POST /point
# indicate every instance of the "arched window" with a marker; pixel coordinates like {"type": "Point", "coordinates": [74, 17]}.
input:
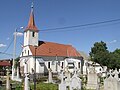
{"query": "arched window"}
{"type": "Point", "coordinates": [48, 64]}
{"type": "Point", "coordinates": [78, 64]}
{"type": "Point", "coordinates": [33, 34]}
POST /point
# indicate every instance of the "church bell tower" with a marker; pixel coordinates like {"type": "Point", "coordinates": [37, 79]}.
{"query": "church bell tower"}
{"type": "Point", "coordinates": [31, 31]}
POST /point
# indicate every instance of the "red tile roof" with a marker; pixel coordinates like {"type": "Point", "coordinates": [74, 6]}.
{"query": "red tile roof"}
{"type": "Point", "coordinates": [53, 49]}
{"type": "Point", "coordinates": [31, 23]}
{"type": "Point", "coordinates": [5, 63]}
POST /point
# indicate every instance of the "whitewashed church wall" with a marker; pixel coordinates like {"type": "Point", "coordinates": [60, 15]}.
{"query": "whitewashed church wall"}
{"type": "Point", "coordinates": [26, 51]}
{"type": "Point", "coordinates": [29, 39]}
{"type": "Point", "coordinates": [39, 67]}
{"type": "Point", "coordinates": [31, 65]}
{"type": "Point", "coordinates": [21, 62]}
{"type": "Point", "coordinates": [53, 66]}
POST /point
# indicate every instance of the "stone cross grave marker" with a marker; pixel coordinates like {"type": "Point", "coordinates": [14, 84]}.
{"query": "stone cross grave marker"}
{"type": "Point", "coordinates": [8, 81]}
{"type": "Point", "coordinates": [50, 76]}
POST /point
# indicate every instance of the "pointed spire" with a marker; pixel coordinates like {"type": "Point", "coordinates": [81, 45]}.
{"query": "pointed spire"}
{"type": "Point", "coordinates": [31, 23]}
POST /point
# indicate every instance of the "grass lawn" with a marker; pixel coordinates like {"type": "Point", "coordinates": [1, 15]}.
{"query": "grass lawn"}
{"type": "Point", "coordinates": [45, 86]}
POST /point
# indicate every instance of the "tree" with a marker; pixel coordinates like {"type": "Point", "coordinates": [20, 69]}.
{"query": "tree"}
{"type": "Point", "coordinates": [115, 59]}
{"type": "Point", "coordinates": [99, 53]}
{"type": "Point", "coordinates": [17, 62]}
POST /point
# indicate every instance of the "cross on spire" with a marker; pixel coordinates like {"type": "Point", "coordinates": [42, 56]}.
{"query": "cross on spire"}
{"type": "Point", "coordinates": [32, 5]}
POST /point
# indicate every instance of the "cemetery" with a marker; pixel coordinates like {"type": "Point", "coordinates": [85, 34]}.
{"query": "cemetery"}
{"type": "Point", "coordinates": [65, 80]}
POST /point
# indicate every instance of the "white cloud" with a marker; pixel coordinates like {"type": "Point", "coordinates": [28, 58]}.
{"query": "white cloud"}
{"type": "Point", "coordinates": [2, 45]}
{"type": "Point", "coordinates": [18, 34]}
{"type": "Point", "coordinates": [111, 42]}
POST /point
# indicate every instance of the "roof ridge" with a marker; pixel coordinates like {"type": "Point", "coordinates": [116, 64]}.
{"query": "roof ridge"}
{"type": "Point", "coordinates": [57, 43]}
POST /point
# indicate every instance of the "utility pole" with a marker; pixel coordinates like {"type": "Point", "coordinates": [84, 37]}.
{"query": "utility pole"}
{"type": "Point", "coordinates": [14, 54]}
{"type": "Point", "coordinates": [35, 69]}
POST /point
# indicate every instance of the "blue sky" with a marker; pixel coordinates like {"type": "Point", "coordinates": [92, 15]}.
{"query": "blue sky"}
{"type": "Point", "coordinates": [61, 13]}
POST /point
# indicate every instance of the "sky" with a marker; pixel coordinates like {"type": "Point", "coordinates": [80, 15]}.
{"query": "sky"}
{"type": "Point", "coordinates": [50, 14]}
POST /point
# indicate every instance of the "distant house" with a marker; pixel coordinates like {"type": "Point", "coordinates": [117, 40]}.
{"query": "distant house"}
{"type": "Point", "coordinates": [98, 68]}
{"type": "Point", "coordinates": [46, 54]}
{"type": "Point", "coordinates": [4, 64]}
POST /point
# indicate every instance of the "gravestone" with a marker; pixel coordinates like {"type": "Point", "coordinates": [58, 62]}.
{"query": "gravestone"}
{"type": "Point", "coordinates": [75, 83]}
{"type": "Point", "coordinates": [111, 83]}
{"type": "Point", "coordinates": [62, 85]}
{"type": "Point", "coordinates": [50, 76]}
{"type": "Point", "coordinates": [116, 74]}
{"type": "Point", "coordinates": [26, 82]}
{"type": "Point", "coordinates": [18, 74]}
{"type": "Point", "coordinates": [119, 70]}
{"type": "Point", "coordinates": [68, 82]}
{"type": "Point", "coordinates": [67, 76]}
{"type": "Point", "coordinates": [8, 81]}
{"type": "Point", "coordinates": [92, 79]}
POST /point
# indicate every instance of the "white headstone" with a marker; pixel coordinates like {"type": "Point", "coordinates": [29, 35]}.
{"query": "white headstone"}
{"type": "Point", "coordinates": [26, 85]}
{"type": "Point", "coordinates": [67, 77]}
{"type": "Point", "coordinates": [111, 83]}
{"type": "Point", "coordinates": [119, 70]}
{"type": "Point", "coordinates": [75, 83]}
{"type": "Point", "coordinates": [116, 74]}
{"type": "Point", "coordinates": [8, 81]}
{"type": "Point", "coordinates": [50, 76]}
{"type": "Point", "coordinates": [13, 72]}
{"type": "Point", "coordinates": [92, 79]}
{"type": "Point", "coordinates": [18, 75]}
{"type": "Point", "coordinates": [62, 85]}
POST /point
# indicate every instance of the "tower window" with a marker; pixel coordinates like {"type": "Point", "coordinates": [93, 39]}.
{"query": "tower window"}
{"type": "Point", "coordinates": [22, 53]}
{"type": "Point", "coordinates": [28, 52]}
{"type": "Point", "coordinates": [33, 34]}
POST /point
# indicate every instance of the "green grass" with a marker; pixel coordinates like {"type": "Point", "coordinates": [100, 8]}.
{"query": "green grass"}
{"type": "Point", "coordinates": [45, 86]}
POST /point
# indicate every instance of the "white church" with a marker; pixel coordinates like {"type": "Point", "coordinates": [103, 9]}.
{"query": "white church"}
{"type": "Point", "coordinates": [46, 54]}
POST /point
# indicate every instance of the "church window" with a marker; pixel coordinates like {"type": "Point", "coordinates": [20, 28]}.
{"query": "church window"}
{"type": "Point", "coordinates": [62, 64]}
{"type": "Point", "coordinates": [22, 53]}
{"type": "Point", "coordinates": [78, 64]}
{"type": "Point", "coordinates": [48, 64]}
{"type": "Point", "coordinates": [33, 34]}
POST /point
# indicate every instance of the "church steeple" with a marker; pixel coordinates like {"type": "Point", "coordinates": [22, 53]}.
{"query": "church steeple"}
{"type": "Point", "coordinates": [31, 22]}
{"type": "Point", "coordinates": [31, 31]}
